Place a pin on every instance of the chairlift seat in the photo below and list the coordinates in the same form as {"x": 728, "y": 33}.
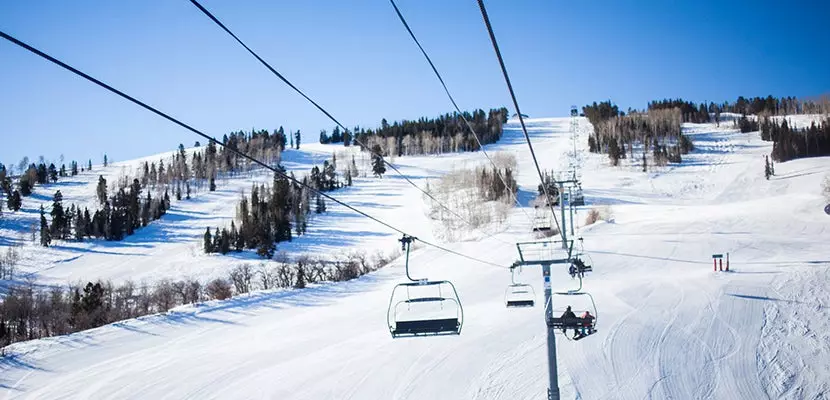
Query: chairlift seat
{"x": 447, "y": 326}
{"x": 571, "y": 323}
{"x": 520, "y": 303}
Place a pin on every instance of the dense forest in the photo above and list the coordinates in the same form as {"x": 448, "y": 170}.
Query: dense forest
{"x": 791, "y": 142}
{"x": 444, "y": 134}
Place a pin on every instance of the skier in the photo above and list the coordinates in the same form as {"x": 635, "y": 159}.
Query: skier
{"x": 568, "y": 314}
{"x": 587, "y": 323}
{"x": 572, "y": 271}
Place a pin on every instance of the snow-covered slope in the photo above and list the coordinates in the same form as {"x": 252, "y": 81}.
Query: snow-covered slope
{"x": 668, "y": 326}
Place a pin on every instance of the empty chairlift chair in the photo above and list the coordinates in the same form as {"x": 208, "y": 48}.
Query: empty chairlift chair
{"x": 422, "y": 307}
{"x": 518, "y": 294}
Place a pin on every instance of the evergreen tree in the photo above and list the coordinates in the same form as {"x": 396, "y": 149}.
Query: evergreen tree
{"x": 145, "y": 210}
{"x": 321, "y": 205}
{"x": 42, "y": 174}
{"x": 45, "y": 237}
{"x": 74, "y": 168}
{"x": 187, "y": 193}
{"x": 216, "y": 240}
{"x": 88, "y": 223}
{"x": 53, "y": 173}
{"x": 14, "y": 202}
{"x": 106, "y": 162}
{"x": 58, "y": 216}
{"x": 224, "y": 242}
{"x": 101, "y": 190}
{"x": 89, "y": 165}
{"x": 80, "y": 227}
{"x": 27, "y": 182}
{"x": 378, "y": 166}
{"x": 208, "y": 241}
{"x": 767, "y": 171}
{"x": 62, "y": 171}
{"x": 297, "y": 139}
{"x": 212, "y": 184}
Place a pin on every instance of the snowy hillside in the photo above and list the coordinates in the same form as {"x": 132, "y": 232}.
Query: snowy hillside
{"x": 668, "y": 326}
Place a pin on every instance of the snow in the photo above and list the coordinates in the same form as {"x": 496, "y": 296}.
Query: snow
{"x": 668, "y": 326}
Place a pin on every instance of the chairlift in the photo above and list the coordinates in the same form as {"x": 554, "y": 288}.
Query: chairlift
{"x": 422, "y": 307}
{"x": 518, "y": 294}
{"x": 584, "y": 303}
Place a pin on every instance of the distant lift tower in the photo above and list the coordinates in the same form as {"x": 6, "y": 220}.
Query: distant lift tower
{"x": 575, "y": 161}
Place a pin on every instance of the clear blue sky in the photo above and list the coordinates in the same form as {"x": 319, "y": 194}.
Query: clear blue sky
{"x": 356, "y": 59}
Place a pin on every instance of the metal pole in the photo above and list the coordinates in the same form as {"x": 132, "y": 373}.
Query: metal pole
{"x": 562, "y": 211}
{"x": 553, "y": 374}
{"x": 571, "y": 208}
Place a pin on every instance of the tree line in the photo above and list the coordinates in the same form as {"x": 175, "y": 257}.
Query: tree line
{"x": 791, "y": 142}
{"x": 443, "y": 134}
{"x": 28, "y": 312}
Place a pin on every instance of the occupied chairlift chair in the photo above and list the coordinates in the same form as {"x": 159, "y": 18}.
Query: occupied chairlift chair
{"x": 518, "y": 294}
{"x": 423, "y": 307}
{"x": 577, "y": 323}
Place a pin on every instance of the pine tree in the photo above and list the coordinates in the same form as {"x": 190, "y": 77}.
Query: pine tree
{"x": 62, "y": 171}
{"x": 145, "y": 210}
{"x": 767, "y": 170}
{"x": 74, "y": 168}
{"x": 53, "y": 173}
{"x": 101, "y": 190}
{"x": 58, "y": 216}
{"x": 212, "y": 184}
{"x": 353, "y": 170}
{"x": 224, "y": 242}
{"x": 26, "y": 183}
{"x": 106, "y": 162}
{"x": 216, "y": 238}
{"x": 187, "y": 193}
{"x": 14, "y": 202}
{"x": 378, "y": 166}
{"x": 89, "y": 165}
{"x": 45, "y": 237}
{"x": 208, "y": 242}
{"x": 297, "y": 139}
{"x": 80, "y": 228}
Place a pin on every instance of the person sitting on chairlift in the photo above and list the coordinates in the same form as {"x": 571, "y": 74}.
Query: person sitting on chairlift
{"x": 579, "y": 266}
{"x": 569, "y": 314}
{"x": 587, "y": 325}
{"x": 572, "y": 271}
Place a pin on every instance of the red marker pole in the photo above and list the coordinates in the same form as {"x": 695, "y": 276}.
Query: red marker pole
{"x": 720, "y": 263}
{"x": 727, "y": 261}
{"x": 715, "y": 261}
